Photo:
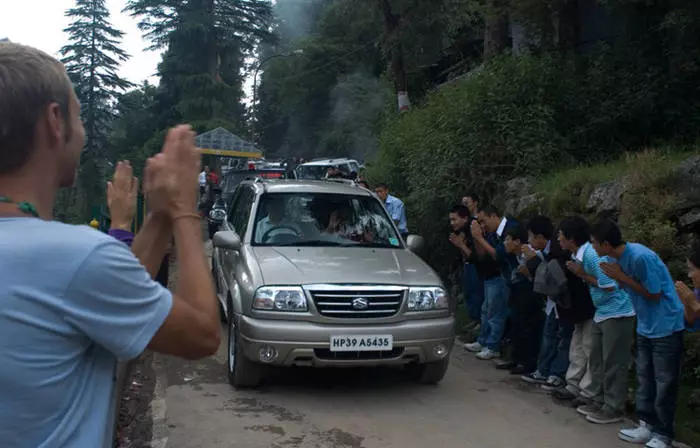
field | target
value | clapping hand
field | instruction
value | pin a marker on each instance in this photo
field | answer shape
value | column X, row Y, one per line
column 613, row 270
column 122, row 195
column 171, row 176
column 457, row 240
column 528, row 252
column 685, row 293
column 477, row 231
column 575, row 267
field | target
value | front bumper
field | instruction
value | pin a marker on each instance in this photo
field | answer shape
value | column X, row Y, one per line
column 298, row 343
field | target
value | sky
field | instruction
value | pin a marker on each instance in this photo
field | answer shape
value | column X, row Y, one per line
column 40, row 24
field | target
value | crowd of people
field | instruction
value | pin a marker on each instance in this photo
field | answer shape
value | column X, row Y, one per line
column 569, row 298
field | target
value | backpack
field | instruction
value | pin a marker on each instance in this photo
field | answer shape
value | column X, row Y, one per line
column 550, row 280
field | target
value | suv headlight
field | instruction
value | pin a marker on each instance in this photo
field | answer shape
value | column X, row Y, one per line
column 426, row 299
column 280, row 298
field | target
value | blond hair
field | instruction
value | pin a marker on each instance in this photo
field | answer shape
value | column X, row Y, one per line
column 30, row 80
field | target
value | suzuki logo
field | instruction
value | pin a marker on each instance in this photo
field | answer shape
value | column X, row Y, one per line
column 360, row 303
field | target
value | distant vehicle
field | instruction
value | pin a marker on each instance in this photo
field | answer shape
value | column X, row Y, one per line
column 315, row 273
column 317, row 169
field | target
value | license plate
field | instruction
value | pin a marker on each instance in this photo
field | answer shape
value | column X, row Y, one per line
column 361, row 343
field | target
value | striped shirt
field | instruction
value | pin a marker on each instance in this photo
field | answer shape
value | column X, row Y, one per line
column 609, row 299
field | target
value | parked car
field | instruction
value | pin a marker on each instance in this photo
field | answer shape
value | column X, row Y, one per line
column 315, row 273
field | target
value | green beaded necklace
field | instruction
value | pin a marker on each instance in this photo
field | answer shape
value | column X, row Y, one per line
column 25, row 207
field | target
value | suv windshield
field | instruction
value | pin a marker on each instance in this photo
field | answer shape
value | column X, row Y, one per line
column 321, row 219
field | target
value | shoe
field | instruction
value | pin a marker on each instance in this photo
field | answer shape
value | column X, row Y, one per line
column 578, row 401
column 553, row 383
column 564, row 394
column 474, row 347
column 658, row 442
column 588, row 409
column 488, row 354
column 503, row 364
column 518, row 370
column 534, row 378
column 470, row 326
column 604, row 417
column 640, row 434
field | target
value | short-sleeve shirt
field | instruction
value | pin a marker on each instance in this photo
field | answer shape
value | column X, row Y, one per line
column 609, row 299
column 74, row 302
column 397, row 211
column 655, row 318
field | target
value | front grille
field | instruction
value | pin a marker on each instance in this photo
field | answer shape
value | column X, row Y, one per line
column 324, row 353
column 358, row 303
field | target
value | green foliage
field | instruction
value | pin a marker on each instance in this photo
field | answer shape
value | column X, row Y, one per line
column 92, row 58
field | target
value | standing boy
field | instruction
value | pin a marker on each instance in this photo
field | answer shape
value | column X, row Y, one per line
column 525, row 304
column 610, row 334
column 472, row 286
column 642, row 273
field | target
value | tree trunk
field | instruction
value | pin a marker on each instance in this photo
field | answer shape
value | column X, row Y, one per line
column 496, row 29
column 568, row 26
column 391, row 25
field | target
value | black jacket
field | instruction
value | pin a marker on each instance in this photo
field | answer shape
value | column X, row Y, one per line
column 582, row 308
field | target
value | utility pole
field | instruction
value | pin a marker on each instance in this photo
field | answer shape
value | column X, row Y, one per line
column 392, row 22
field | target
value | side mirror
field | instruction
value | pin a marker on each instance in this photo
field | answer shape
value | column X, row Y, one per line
column 227, row 239
column 415, row 243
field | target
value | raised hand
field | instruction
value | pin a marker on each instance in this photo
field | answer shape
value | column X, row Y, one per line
column 171, row 181
column 122, row 196
column 686, row 294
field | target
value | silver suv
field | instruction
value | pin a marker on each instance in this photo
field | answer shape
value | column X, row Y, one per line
column 314, row 273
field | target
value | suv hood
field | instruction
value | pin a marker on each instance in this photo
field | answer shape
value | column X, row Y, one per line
column 308, row 265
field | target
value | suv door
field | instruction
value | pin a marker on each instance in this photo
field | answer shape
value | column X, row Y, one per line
column 238, row 219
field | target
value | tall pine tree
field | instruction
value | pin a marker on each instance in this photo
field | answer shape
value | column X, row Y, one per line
column 92, row 58
column 206, row 44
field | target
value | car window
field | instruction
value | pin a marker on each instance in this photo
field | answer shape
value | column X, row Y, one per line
column 241, row 209
column 235, row 198
column 354, row 167
column 322, row 219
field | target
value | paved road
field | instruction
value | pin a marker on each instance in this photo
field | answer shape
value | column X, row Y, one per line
column 474, row 407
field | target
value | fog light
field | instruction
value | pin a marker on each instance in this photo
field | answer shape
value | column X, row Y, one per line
column 267, row 353
column 440, row 351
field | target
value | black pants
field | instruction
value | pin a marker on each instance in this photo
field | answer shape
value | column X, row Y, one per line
column 527, row 322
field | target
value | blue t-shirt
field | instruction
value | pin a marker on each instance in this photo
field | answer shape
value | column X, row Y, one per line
column 655, row 318
column 609, row 299
column 397, row 211
column 73, row 302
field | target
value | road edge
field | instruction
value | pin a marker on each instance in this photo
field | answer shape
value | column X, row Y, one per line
column 158, row 406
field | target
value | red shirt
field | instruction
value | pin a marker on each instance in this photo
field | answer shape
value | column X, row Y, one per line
column 213, row 178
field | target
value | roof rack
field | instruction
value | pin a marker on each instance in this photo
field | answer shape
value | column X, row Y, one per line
column 341, row 180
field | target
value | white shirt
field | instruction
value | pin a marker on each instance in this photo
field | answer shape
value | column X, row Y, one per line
column 202, row 179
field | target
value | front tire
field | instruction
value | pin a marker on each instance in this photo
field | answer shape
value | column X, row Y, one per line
column 430, row 372
column 242, row 372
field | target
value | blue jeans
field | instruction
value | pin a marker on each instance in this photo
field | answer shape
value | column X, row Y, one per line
column 658, row 374
column 554, row 352
column 494, row 312
column 473, row 288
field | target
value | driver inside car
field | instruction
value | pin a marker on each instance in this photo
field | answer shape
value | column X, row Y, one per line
column 276, row 218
